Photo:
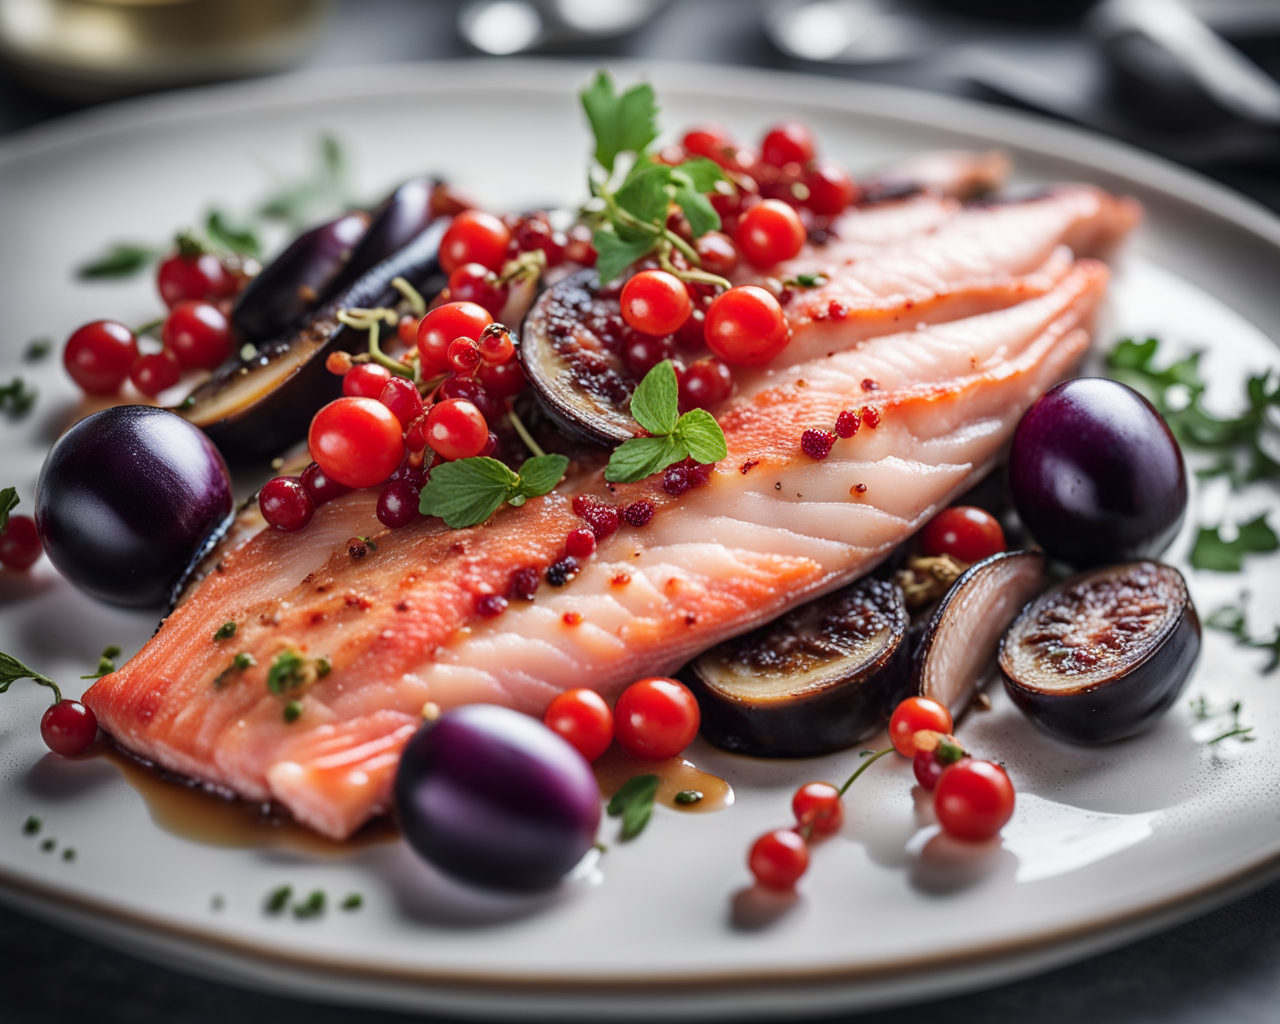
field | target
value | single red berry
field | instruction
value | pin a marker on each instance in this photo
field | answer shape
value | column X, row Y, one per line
column 490, row 606
column 964, row 532
column 709, row 140
column 706, row 383
column 655, row 302
column 338, row 363
column 871, row 416
column 503, row 380
column 579, row 248
column 463, row 355
column 779, row 859
column 495, row 345
column 199, row 334
column 444, row 325
column 286, row 504
column 397, row 504
column 415, row 434
column 787, row 143
column 200, row 276
column 582, row 717
column 581, row 543
column 365, row 380
column 656, row 718
column 413, row 471
column 100, row 355
column 156, row 372
column 474, row 237
column 847, row 423
column 638, row 513
column 474, row 392
column 401, row 396
column 603, row 519
column 916, row 714
column 642, row 352
column 407, row 330
column 536, row 233
column 473, row 282
column 818, row 806
column 69, row 728
column 746, row 325
column 20, row 543
column 356, row 441
column 456, row 429
column 319, row 486
column 523, row 584
column 769, row 233
column 693, row 332
column 929, row 765
column 817, row 443
column 718, row 253
column 830, row 189
column 973, row 800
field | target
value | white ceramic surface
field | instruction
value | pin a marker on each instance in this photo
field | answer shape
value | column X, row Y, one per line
column 1106, row 844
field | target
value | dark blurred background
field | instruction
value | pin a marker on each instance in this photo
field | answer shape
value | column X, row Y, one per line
column 1192, row 80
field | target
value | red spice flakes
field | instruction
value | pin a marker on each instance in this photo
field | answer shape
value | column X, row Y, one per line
column 638, row 513
column 817, row 443
column 523, row 584
column 572, row 618
column 621, row 580
column 871, row 416
column 581, row 543
column 870, row 385
column 837, row 310
column 402, row 606
column 847, row 423
column 602, row 518
column 747, row 466
column 490, row 606
column 690, row 619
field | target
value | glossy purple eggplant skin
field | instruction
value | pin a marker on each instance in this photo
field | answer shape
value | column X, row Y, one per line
column 127, row 498
column 396, row 222
column 1096, row 475
column 495, row 798
column 1134, row 697
column 298, row 279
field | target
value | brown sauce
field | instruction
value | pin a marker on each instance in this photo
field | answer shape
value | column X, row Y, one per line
column 675, row 775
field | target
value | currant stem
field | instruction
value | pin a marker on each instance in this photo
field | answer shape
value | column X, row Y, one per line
column 525, row 436
column 370, row 320
column 864, row 766
column 414, row 297
column 701, row 276
column 11, row 669
column 148, row 327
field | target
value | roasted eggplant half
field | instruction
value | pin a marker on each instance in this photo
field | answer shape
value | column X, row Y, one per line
column 818, row 679
column 964, row 632
column 256, row 407
column 1103, row 655
column 396, row 222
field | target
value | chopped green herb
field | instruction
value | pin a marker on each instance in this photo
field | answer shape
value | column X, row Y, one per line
column 353, row 902
column 1212, row 552
column 948, row 751
column 242, row 241
column 124, row 259
column 11, row 670
column 312, row 906
column 244, row 660
column 806, row 281
column 69, row 853
column 226, row 631
column 16, row 398
column 1204, row 712
column 325, row 190
column 106, row 663
column 688, row 796
column 32, row 825
column 323, row 667
column 293, row 711
column 37, row 349
column 469, row 491
column 278, row 899
column 48, row 845
column 1231, row 619
column 634, row 802
column 655, row 406
column 8, row 502
column 287, row 672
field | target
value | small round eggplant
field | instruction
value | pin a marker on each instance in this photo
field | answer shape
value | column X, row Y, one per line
column 397, row 221
column 1103, row 655
column 569, row 350
column 256, row 407
column 298, row 279
column 820, row 678
column 960, row 642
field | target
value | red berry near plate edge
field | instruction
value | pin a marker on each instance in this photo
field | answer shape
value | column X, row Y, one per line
column 698, row 424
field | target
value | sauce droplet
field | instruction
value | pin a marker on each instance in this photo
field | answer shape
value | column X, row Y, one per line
column 676, row 777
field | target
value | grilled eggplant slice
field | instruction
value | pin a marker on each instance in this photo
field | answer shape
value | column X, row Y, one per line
column 820, row 678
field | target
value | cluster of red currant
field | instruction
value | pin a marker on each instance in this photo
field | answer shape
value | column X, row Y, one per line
column 817, row 443
column 972, row 799
column 197, row 287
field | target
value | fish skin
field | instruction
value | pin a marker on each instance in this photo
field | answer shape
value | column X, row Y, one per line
column 399, row 628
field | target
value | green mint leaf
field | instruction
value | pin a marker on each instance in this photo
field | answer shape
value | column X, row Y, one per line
column 615, row 254
column 16, row 398
column 124, row 259
column 655, row 403
column 647, row 195
column 634, row 802
column 541, row 473
column 11, row 670
column 702, row 173
column 637, row 118
column 1212, row 552
column 37, row 349
column 8, row 502
column 702, row 436
column 242, row 241
column 468, row 491
column 698, row 211
column 1132, row 355
column 641, row 457
column 277, row 899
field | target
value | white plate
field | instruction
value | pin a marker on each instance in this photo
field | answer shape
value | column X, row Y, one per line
column 1106, row 844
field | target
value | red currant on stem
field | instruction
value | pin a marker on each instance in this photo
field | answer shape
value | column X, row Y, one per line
column 973, row 800
column 100, row 355
column 934, row 755
column 286, row 504
column 655, row 302
column 194, row 275
column 495, row 345
column 68, row 727
column 580, row 543
column 787, row 143
column 20, row 543
column 442, row 326
column 474, row 282
column 407, row 330
column 779, row 859
column 365, row 380
column 769, row 233
column 456, row 429
column 656, row 718
column 319, row 486
column 155, row 372
column 398, row 504
column 746, row 325
column 502, row 380
column 463, row 355
column 474, row 237
column 356, row 441
column 199, row 334
column 913, row 715
column 964, row 532
column 818, row 807
column 400, row 395
column 582, row 717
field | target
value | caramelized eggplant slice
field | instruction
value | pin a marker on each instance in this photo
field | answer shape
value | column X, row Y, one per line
column 819, row 679
column 1105, row 654
column 298, row 279
column 257, row 407
column 569, row 350
column 964, row 632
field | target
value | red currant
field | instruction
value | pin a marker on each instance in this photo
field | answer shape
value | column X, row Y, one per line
column 495, row 345
column 746, row 325
column 407, row 330
column 398, row 504
column 490, row 606
column 929, row 765
column 339, row 363
column 638, row 513
column 443, row 325
column 706, row 383
column 693, row 332
column 456, row 429
column 401, row 396
column 583, row 718
column 770, row 232
column 365, row 380
column 642, row 352
column 710, row 140
column 155, row 372
column 718, row 253
column 581, row 543
column 502, row 380
column 655, row 302
column 787, row 143
column 463, row 355
column 818, row 806
column 535, row 232
column 913, row 715
column 199, row 334
column 286, row 504
column 100, row 355
column 830, row 189
column 69, row 728
column 473, row 282
column 973, row 800
column 579, row 248
column 603, row 519
column 319, row 486
column 474, row 392
column 201, row 276
column 474, row 237
column 356, row 441
column 20, row 543
column 656, row 718
column 966, row 533
column 779, row 859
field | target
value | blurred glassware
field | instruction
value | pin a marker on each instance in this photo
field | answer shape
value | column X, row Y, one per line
column 503, row 27
column 94, row 49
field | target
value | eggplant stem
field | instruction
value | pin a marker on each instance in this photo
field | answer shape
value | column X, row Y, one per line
column 863, row 767
column 525, row 436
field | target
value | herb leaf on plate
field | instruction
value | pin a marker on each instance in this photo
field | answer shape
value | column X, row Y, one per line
column 9, row 500
column 1211, row 551
column 468, row 491
column 1231, row 619
column 655, row 404
column 634, row 802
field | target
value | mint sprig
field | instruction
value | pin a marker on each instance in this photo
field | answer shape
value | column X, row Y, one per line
column 469, row 491
column 634, row 804
column 1212, row 552
column 655, row 405
column 8, row 502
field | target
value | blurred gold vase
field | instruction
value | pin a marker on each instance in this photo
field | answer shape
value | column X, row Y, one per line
column 89, row 49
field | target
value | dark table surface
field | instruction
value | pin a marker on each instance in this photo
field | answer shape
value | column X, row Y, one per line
column 1223, row 967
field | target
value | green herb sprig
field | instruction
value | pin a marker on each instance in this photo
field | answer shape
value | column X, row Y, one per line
column 9, row 500
column 469, row 491
column 656, row 407
column 11, row 670
column 634, row 803
column 1210, row 551
column 1204, row 712
column 106, row 663
column 1231, row 619
column 17, row 397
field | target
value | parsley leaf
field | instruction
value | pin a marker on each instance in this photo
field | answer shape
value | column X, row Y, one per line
column 8, row 502
column 1231, row 619
column 124, row 259
column 634, row 802
column 1212, row 552
column 655, row 404
column 469, row 491
column 622, row 124
column 11, row 670
column 615, row 254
